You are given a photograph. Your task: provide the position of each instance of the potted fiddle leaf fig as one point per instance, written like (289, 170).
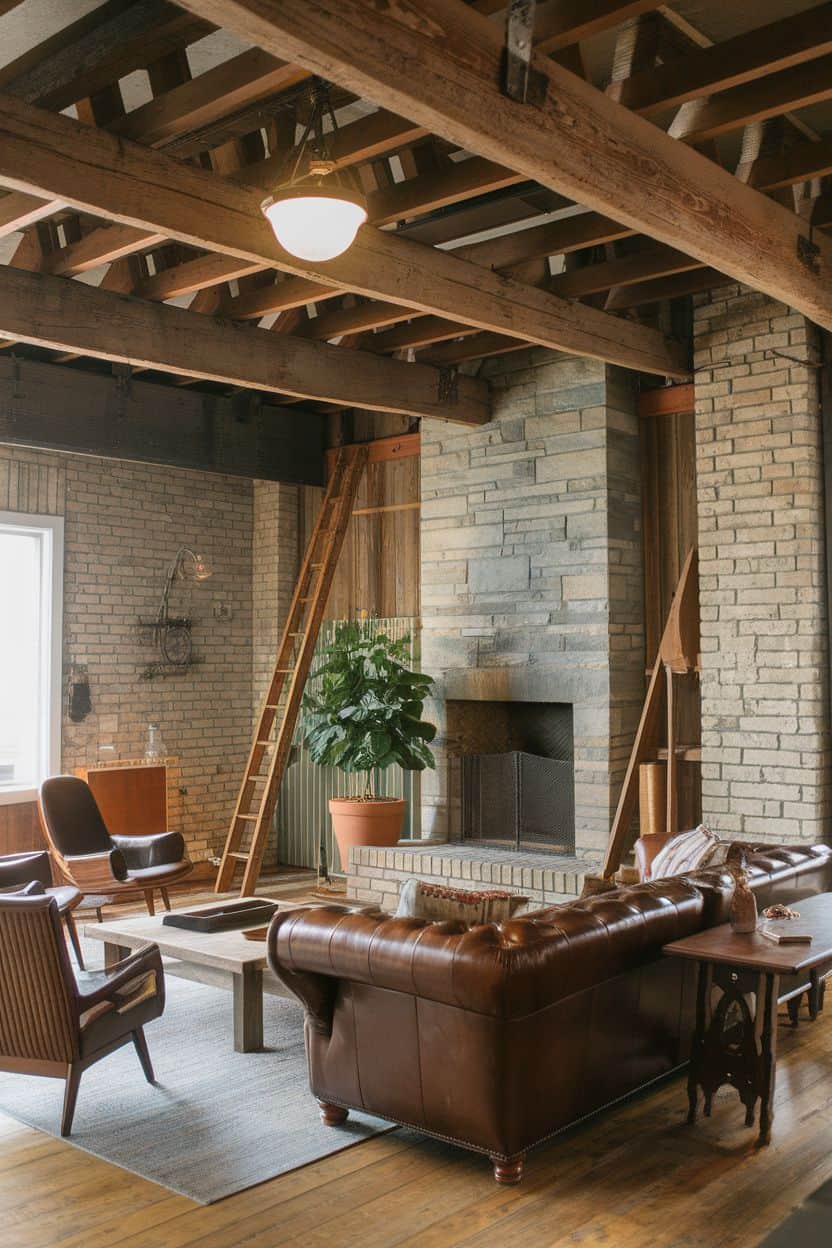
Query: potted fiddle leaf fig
(362, 714)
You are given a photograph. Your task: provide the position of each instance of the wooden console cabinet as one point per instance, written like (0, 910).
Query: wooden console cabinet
(132, 796)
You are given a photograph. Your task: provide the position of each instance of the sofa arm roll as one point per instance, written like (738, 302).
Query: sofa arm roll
(160, 850)
(504, 970)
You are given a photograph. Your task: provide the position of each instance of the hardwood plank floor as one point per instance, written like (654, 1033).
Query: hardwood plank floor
(634, 1176)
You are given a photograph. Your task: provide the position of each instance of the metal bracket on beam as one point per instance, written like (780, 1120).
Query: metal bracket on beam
(521, 81)
(808, 252)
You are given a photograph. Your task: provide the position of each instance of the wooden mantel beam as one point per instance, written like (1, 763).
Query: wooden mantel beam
(55, 157)
(60, 314)
(438, 62)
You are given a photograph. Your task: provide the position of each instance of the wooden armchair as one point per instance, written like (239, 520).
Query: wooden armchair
(34, 867)
(48, 1025)
(97, 863)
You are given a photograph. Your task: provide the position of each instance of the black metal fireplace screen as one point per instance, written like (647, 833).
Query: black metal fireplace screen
(518, 799)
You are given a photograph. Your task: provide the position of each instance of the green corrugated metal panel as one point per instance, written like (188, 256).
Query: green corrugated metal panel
(302, 812)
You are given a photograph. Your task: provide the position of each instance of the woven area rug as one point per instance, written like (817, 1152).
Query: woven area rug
(217, 1121)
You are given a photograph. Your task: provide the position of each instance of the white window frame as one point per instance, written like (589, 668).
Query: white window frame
(51, 530)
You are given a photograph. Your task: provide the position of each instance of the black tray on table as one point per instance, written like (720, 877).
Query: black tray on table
(224, 916)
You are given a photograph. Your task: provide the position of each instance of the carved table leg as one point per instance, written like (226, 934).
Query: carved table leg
(511, 1171)
(768, 1057)
(702, 981)
(332, 1115)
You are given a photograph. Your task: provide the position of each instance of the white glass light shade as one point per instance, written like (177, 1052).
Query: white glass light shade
(315, 226)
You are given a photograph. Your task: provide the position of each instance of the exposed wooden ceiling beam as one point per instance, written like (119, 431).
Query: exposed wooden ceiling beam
(55, 157)
(771, 96)
(209, 96)
(560, 23)
(358, 140)
(658, 289)
(656, 260)
(420, 333)
(803, 161)
(474, 347)
(90, 413)
(60, 314)
(365, 316)
(17, 211)
(428, 192)
(444, 72)
(559, 238)
(98, 49)
(780, 45)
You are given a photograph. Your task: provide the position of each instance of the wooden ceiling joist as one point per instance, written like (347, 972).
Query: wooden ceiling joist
(444, 73)
(55, 157)
(780, 45)
(101, 47)
(769, 96)
(561, 23)
(62, 315)
(202, 100)
(18, 211)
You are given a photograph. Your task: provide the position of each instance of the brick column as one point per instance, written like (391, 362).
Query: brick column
(765, 710)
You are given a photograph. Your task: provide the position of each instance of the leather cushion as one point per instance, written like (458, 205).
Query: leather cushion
(66, 895)
(166, 871)
(160, 849)
(72, 817)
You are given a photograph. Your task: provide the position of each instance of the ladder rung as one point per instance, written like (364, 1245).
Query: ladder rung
(250, 818)
(284, 669)
(236, 853)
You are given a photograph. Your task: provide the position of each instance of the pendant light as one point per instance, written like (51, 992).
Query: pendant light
(316, 213)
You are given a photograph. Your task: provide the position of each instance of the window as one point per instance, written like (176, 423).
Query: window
(31, 582)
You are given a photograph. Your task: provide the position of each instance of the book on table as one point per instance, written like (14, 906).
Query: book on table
(785, 933)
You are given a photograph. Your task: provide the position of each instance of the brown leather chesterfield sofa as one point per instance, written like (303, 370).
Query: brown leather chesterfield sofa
(497, 1036)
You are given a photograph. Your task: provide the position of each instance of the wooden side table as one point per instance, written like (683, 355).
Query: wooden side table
(738, 990)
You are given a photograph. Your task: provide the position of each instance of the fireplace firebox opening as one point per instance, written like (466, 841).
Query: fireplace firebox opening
(512, 781)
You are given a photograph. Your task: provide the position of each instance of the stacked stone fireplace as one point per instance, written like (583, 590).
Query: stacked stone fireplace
(531, 599)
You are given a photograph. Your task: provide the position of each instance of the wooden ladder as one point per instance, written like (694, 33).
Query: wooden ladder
(678, 656)
(272, 743)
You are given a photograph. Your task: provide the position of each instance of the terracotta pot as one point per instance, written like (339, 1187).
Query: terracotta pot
(376, 822)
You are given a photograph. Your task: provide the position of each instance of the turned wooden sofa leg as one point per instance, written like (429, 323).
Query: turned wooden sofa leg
(511, 1171)
(332, 1115)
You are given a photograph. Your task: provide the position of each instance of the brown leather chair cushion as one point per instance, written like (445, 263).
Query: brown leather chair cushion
(73, 818)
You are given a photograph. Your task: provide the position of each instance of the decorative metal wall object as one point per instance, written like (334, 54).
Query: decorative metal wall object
(171, 634)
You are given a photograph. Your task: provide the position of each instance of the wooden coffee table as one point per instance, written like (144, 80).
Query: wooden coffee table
(735, 1042)
(222, 959)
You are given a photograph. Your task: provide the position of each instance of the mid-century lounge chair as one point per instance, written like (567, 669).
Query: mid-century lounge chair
(103, 865)
(16, 870)
(51, 1026)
